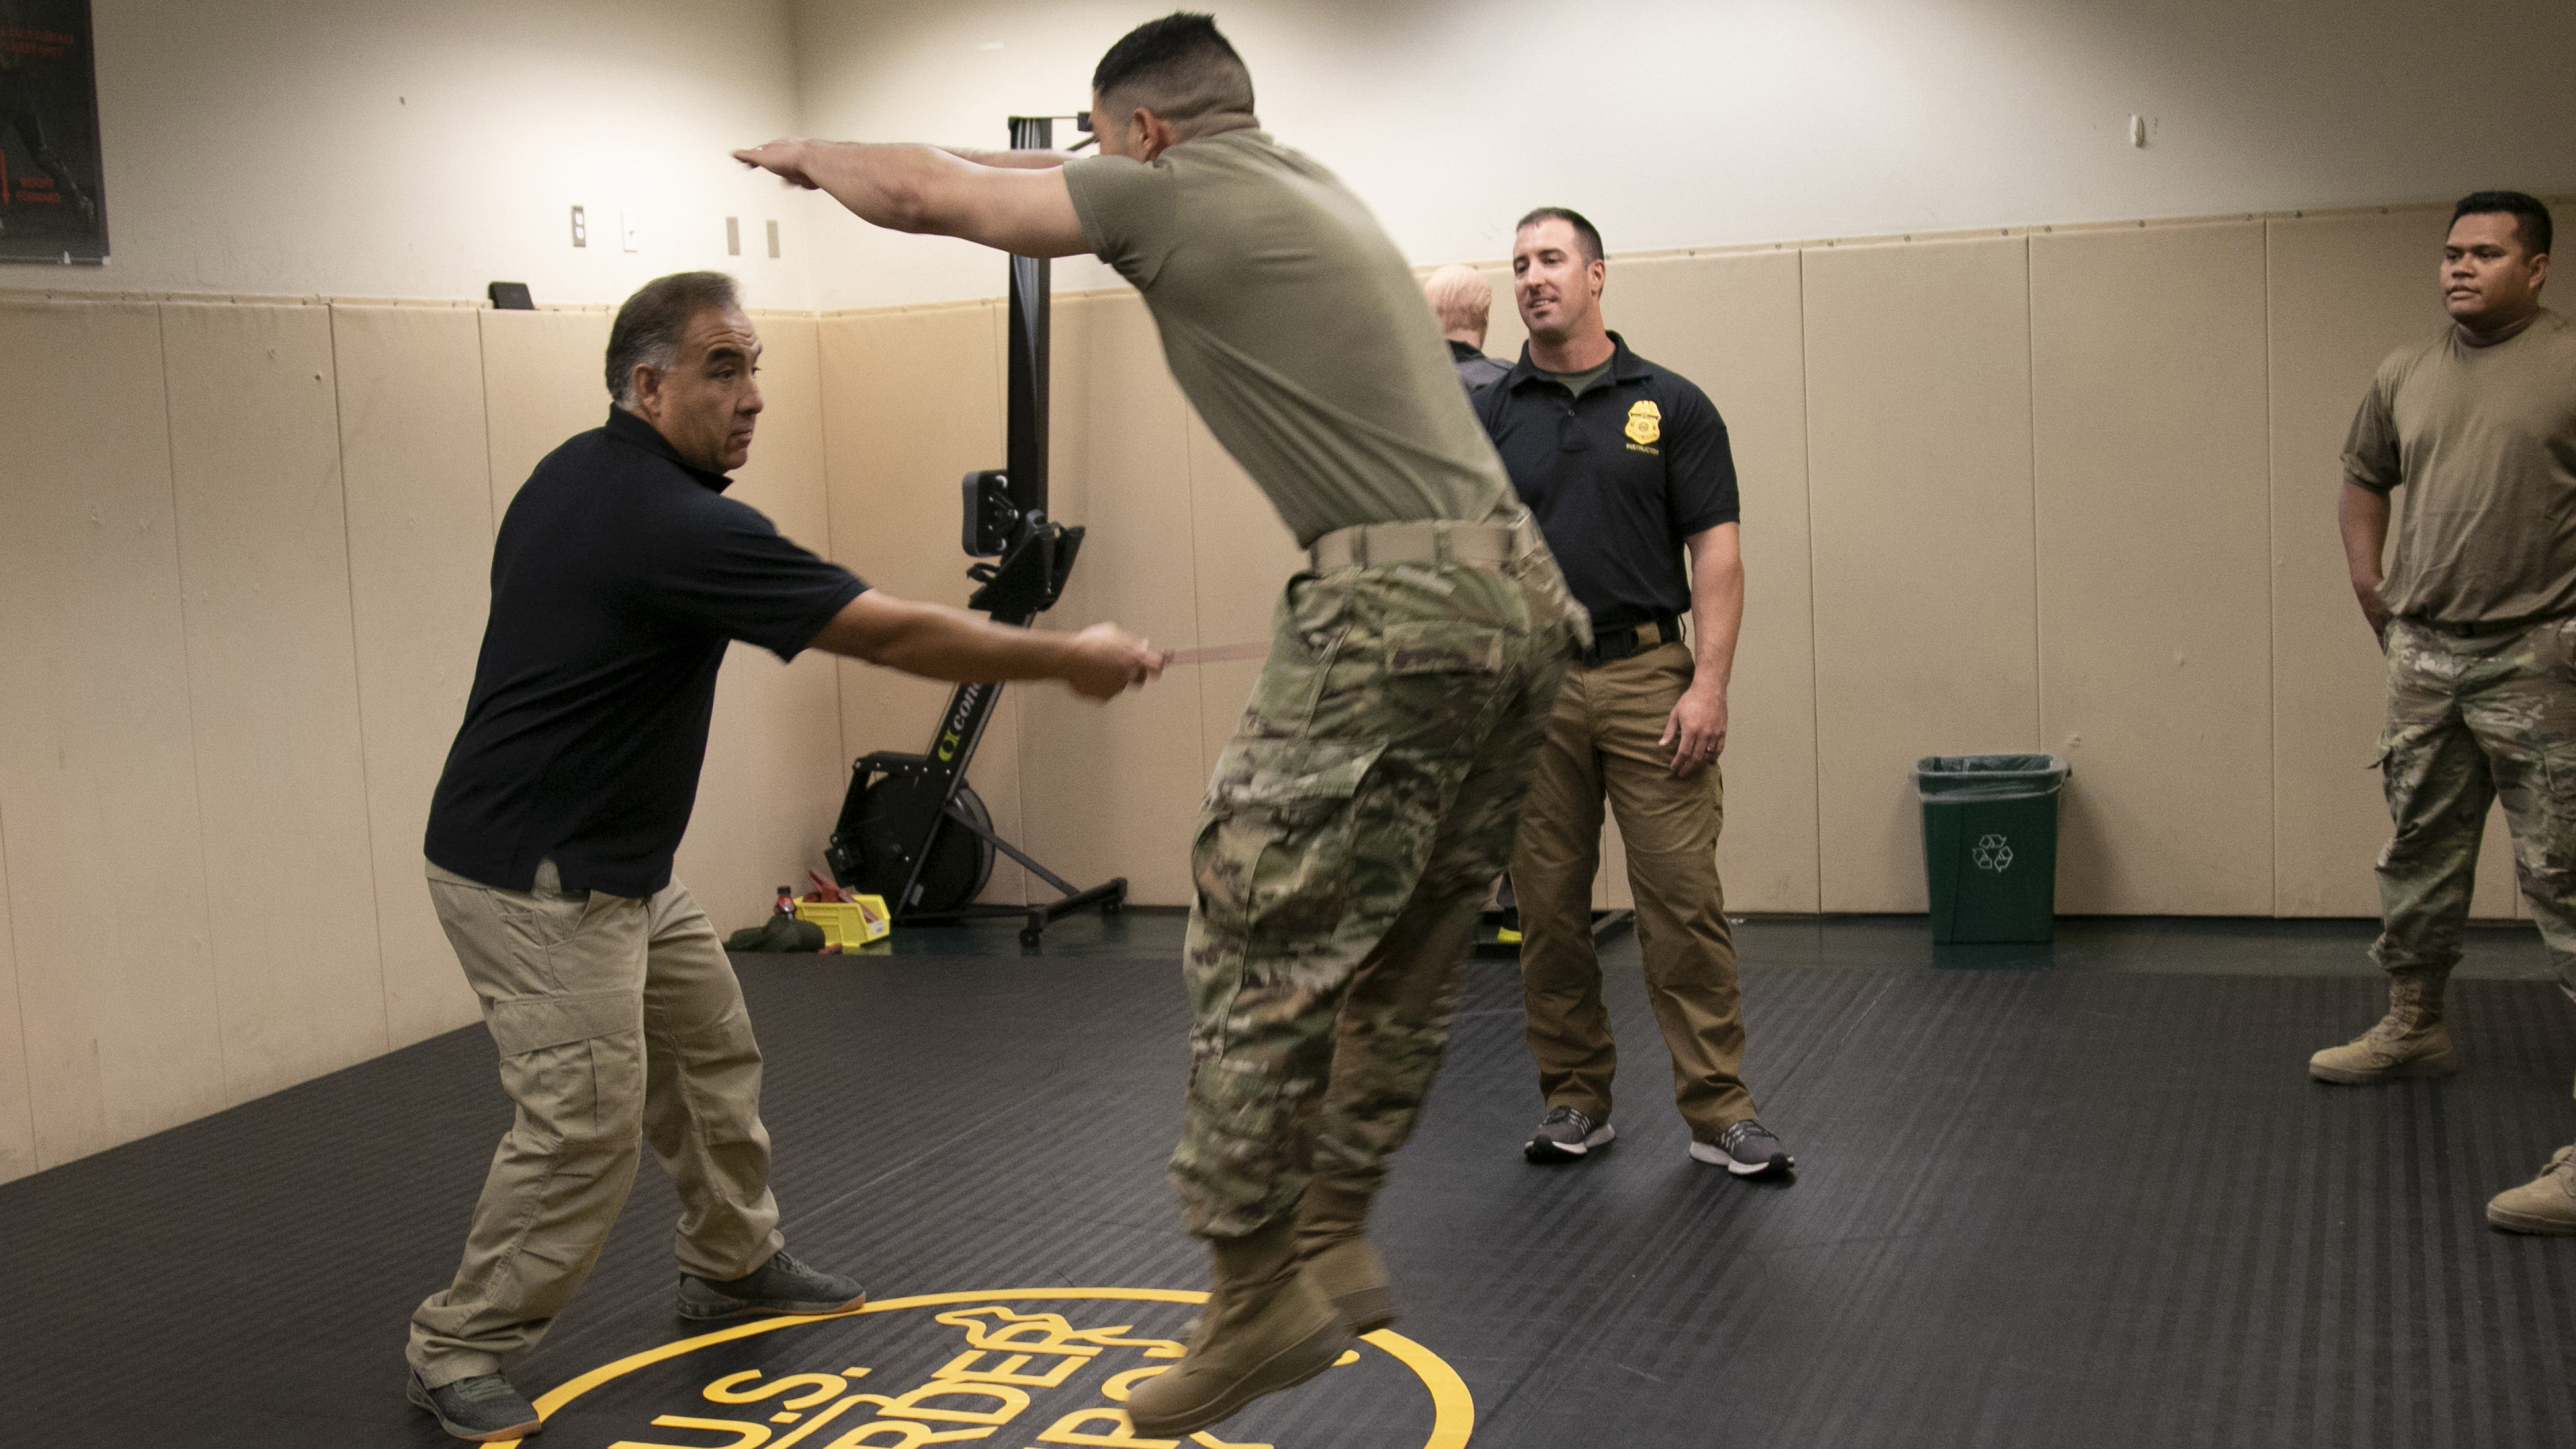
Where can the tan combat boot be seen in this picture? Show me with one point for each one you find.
(1266, 1327)
(2546, 1204)
(1340, 1259)
(2410, 1041)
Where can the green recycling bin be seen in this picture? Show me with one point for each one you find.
(1990, 844)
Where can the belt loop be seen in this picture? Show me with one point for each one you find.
(1444, 546)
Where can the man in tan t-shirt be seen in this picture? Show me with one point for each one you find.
(2471, 437)
(1369, 797)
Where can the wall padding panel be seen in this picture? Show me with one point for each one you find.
(98, 784)
(2345, 291)
(418, 480)
(1113, 789)
(1919, 449)
(912, 401)
(273, 687)
(544, 379)
(1732, 325)
(2148, 409)
(774, 771)
(17, 1106)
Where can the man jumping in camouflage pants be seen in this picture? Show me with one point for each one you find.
(2477, 614)
(1369, 798)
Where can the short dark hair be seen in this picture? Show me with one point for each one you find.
(2530, 218)
(651, 323)
(1587, 237)
(1178, 67)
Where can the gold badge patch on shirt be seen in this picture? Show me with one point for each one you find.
(1645, 423)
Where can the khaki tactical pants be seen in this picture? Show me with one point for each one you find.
(1351, 830)
(2472, 720)
(1603, 740)
(619, 1022)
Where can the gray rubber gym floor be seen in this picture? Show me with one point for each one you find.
(2082, 1195)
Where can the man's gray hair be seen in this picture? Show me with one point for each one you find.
(651, 324)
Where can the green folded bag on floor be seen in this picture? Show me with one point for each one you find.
(778, 933)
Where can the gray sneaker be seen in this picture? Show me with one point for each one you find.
(483, 1408)
(781, 1285)
(1746, 1149)
(1566, 1136)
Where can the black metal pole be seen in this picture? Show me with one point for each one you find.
(1027, 458)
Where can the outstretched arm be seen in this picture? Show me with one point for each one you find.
(1024, 210)
(938, 642)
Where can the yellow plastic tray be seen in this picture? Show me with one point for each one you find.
(848, 923)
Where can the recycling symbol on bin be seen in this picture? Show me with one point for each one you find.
(1993, 853)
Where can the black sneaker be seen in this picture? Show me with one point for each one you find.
(1746, 1149)
(1566, 1136)
(781, 1285)
(483, 1408)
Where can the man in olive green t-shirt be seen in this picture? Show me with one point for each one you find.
(2470, 439)
(1370, 794)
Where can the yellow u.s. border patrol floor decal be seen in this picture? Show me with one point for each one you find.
(1025, 1368)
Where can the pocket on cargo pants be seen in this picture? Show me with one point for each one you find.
(1268, 958)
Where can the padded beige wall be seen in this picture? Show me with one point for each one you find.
(2147, 367)
(273, 689)
(1919, 456)
(420, 516)
(98, 784)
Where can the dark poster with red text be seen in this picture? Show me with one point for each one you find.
(51, 204)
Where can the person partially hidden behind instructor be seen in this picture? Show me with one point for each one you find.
(1626, 466)
(2469, 437)
(620, 575)
(1367, 800)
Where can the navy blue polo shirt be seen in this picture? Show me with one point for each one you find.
(619, 576)
(1617, 478)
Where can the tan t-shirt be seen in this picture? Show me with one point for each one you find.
(2483, 439)
(1294, 326)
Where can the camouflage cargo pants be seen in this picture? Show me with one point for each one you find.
(1351, 830)
(2472, 720)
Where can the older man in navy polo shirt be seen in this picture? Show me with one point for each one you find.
(620, 576)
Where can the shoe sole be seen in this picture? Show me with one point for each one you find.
(2514, 1222)
(420, 1399)
(1282, 1371)
(801, 1310)
(1779, 1166)
(2421, 1067)
(1542, 1149)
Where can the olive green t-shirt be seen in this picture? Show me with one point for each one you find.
(1297, 330)
(2483, 440)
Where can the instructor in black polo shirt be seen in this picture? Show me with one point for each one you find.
(1626, 467)
(620, 575)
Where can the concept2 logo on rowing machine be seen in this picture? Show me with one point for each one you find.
(1024, 1368)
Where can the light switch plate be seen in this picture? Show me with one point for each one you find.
(627, 228)
(580, 228)
(733, 236)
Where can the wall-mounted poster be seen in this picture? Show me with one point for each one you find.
(51, 206)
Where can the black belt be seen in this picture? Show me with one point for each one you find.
(2490, 628)
(1625, 641)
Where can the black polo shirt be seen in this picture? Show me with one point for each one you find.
(619, 576)
(1616, 478)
